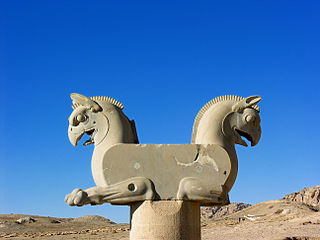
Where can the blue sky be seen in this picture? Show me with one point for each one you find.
(163, 60)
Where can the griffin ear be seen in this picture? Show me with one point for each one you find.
(252, 100)
(85, 101)
(245, 103)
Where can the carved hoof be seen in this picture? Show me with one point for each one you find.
(195, 189)
(77, 197)
(224, 199)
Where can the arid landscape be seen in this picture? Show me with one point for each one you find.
(294, 217)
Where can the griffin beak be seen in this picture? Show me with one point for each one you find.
(256, 138)
(74, 137)
(76, 134)
(253, 138)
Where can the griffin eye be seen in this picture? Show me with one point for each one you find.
(249, 118)
(81, 118)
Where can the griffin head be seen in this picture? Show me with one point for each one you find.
(245, 121)
(86, 118)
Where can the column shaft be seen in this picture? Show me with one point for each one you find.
(165, 220)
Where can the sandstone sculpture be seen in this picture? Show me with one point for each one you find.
(182, 176)
(125, 171)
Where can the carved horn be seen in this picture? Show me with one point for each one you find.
(85, 101)
(245, 103)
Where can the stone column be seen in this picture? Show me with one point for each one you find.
(165, 220)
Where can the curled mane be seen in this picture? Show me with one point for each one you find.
(102, 98)
(205, 108)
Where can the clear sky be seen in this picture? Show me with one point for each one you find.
(163, 60)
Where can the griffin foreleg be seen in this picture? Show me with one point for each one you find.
(196, 189)
(131, 190)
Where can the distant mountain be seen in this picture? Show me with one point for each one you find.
(221, 211)
(93, 218)
(20, 226)
(309, 196)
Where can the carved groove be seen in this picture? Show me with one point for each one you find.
(103, 98)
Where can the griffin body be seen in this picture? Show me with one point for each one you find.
(125, 171)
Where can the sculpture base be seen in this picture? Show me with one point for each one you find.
(165, 220)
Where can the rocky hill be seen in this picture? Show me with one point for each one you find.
(221, 211)
(275, 219)
(309, 196)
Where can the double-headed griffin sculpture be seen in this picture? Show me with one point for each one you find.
(126, 172)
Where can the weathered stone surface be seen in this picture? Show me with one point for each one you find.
(309, 196)
(163, 220)
(175, 170)
(125, 172)
(181, 177)
(222, 211)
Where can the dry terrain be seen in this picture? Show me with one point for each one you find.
(295, 217)
(277, 219)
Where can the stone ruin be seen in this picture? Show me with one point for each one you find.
(164, 184)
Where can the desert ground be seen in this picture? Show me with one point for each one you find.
(295, 217)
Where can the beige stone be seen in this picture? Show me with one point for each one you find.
(176, 171)
(164, 184)
(223, 121)
(163, 220)
(125, 172)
